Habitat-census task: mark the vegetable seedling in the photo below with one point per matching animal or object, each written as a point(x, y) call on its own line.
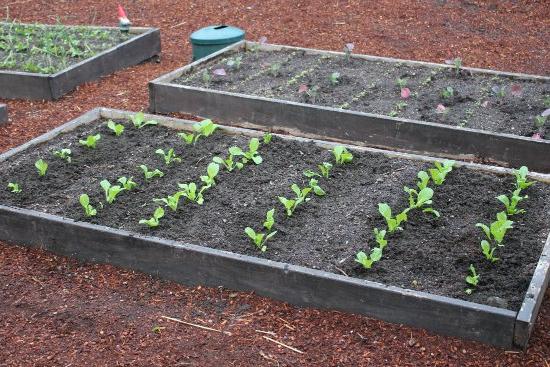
point(418, 199)
point(64, 154)
point(251, 154)
point(366, 260)
point(521, 178)
point(41, 166)
point(171, 201)
point(259, 239)
point(488, 251)
point(314, 184)
point(190, 192)
point(424, 180)
point(206, 77)
point(457, 63)
point(111, 191)
point(14, 187)
point(393, 223)
point(341, 155)
point(169, 157)
point(150, 174)
point(334, 78)
point(211, 173)
point(267, 138)
point(448, 92)
point(401, 83)
point(139, 120)
point(91, 141)
point(499, 91)
point(511, 202)
point(275, 69)
point(379, 236)
point(540, 121)
point(204, 128)
point(301, 197)
point(498, 228)
point(324, 170)
point(127, 183)
point(89, 211)
point(154, 221)
point(115, 128)
point(269, 219)
point(472, 279)
point(440, 171)
point(235, 62)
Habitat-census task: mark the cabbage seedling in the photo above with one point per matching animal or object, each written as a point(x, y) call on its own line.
point(488, 251)
point(314, 184)
point(334, 78)
point(204, 128)
point(154, 221)
point(440, 171)
point(511, 202)
point(341, 155)
point(89, 210)
point(251, 154)
point(540, 121)
point(169, 157)
point(393, 223)
point(521, 178)
point(229, 163)
point(116, 128)
point(301, 197)
point(139, 120)
point(14, 187)
point(417, 199)
point(424, 180)
point(275, 69)
point(211, 173)
point(472, 279)
point(41, 166)
point(111, 191)
point(235, 62)
point(190, 192)
point(171, 200)
point(498, 228)
point(380, 235)
point(90, 141)
point(401, 83)
point(150, 174)
point(267, 138)
point(448, 92)
point(366, 260)
point(63, 154)
point(269, 219)
point(324, 170)
point(127, 183)
point(259, 239)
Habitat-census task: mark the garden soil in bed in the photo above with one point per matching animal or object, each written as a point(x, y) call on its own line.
point(370, 86)
point(430, 254)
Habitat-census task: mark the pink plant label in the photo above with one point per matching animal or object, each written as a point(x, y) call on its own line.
point(440, 108)
point(302, 88)
point(219, 72)
point(405, 93)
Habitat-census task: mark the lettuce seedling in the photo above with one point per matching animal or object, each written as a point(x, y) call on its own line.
point(401, 83)
point(111, 191)
point(417, 199)
point(448, 92)
point(324, 170)
point(269, 219)
point(488, 251)
point(139, 120)
point(380, 235)
point(251, 154)
point(190, 192)
point(204, 128)
point(521, 178)
point(259, 239)
point(229, 163)
point(89, 210)
point(41, 166)
point(169, 157)
point(424, 180)
point(498, 228)
point(368, 261)
point(341, 155)
point(275, 69)
point(14, 187)
point(540, 121)
point(116, 128)
point(211, 173)
point(90, 141)
point(150, 174)
point(314, 184)
point(206, 77)
point(511, 202)
point(334, 78)
point(154, 221)
point(301, 197)
point(440, 171)
point(267, 138)
point(63, 154)
point(127, 183)
point(171, 201)
point(472, 279)
point(235, 62)
point(393, 223)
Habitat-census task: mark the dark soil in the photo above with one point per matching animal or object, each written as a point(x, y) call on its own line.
point(370, 86)
point(430, 254)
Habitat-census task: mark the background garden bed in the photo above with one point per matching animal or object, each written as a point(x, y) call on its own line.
point(232, 206)
point(30, 75)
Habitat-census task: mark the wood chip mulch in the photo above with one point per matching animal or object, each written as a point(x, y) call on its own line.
point(57, 312)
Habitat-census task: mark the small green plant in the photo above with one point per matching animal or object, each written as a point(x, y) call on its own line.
point(440, 171)
point(457, 63)
point(521, 178)
point(417, 199)
point(401, 83)
point(150, 174)
point(127, 183)
point(499, 91)
point(154, 221)
point(211, 173)
point(540, 121)
point(366, 260)
point(190, 192)
point(267, 138)
point(472, 279)
point(334, 78)
point(229, 163)
point(89, 210)
point(301, 197)
point(324, 170)
point(393, 223)
point(205, 128)
point(42, 167)
point(497, 229)
point(448, 92)
point(206, 77)
point(269, 219)
point(275, 69)
point(91, 141)
point(424, 180)
point(169, 157)
point(64, 154)
point(111, 191)
point(259, 239)
point(488, 251)
point(512, 202)
point(379, 236)
point(251, 154)
point(116, 128)
point(314, 184)
point(235, 62)
point(14, 187)
point(139, 120)
point(341, 155)
point(171, 201)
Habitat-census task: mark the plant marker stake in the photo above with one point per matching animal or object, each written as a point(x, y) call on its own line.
point(123, 21)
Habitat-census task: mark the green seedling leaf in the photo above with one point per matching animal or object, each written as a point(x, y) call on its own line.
point(111, 191)
point(211, 171)
point(259, 239)
point(267, 138)
point(190, 192)
point(169, 157)
point(269, 219)
point(171, 201)
point(14, 187)
point(187, 138)
point(488, 251)
point(424, 179)
point(511, 202)
point(393, 223)
point(324, 171)
point(341, 155)
point(472, 279)
point(154, 221)
point(115, 128)
point(127, 183)
point(440, 171)
point(521, 178)
point(64, 154)
point(314, 184)
point(89, 210)
point(90, 141)
point(251, 154)
point(366, 260)
point(380, 235)
point(42, 167)
point(150, 174)
point(139, 120)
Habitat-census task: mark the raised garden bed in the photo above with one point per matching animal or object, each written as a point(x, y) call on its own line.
point(47, 61)
point(419, 281)
point(484, 115)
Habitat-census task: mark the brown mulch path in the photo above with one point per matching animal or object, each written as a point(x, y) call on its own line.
point(54, 311)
